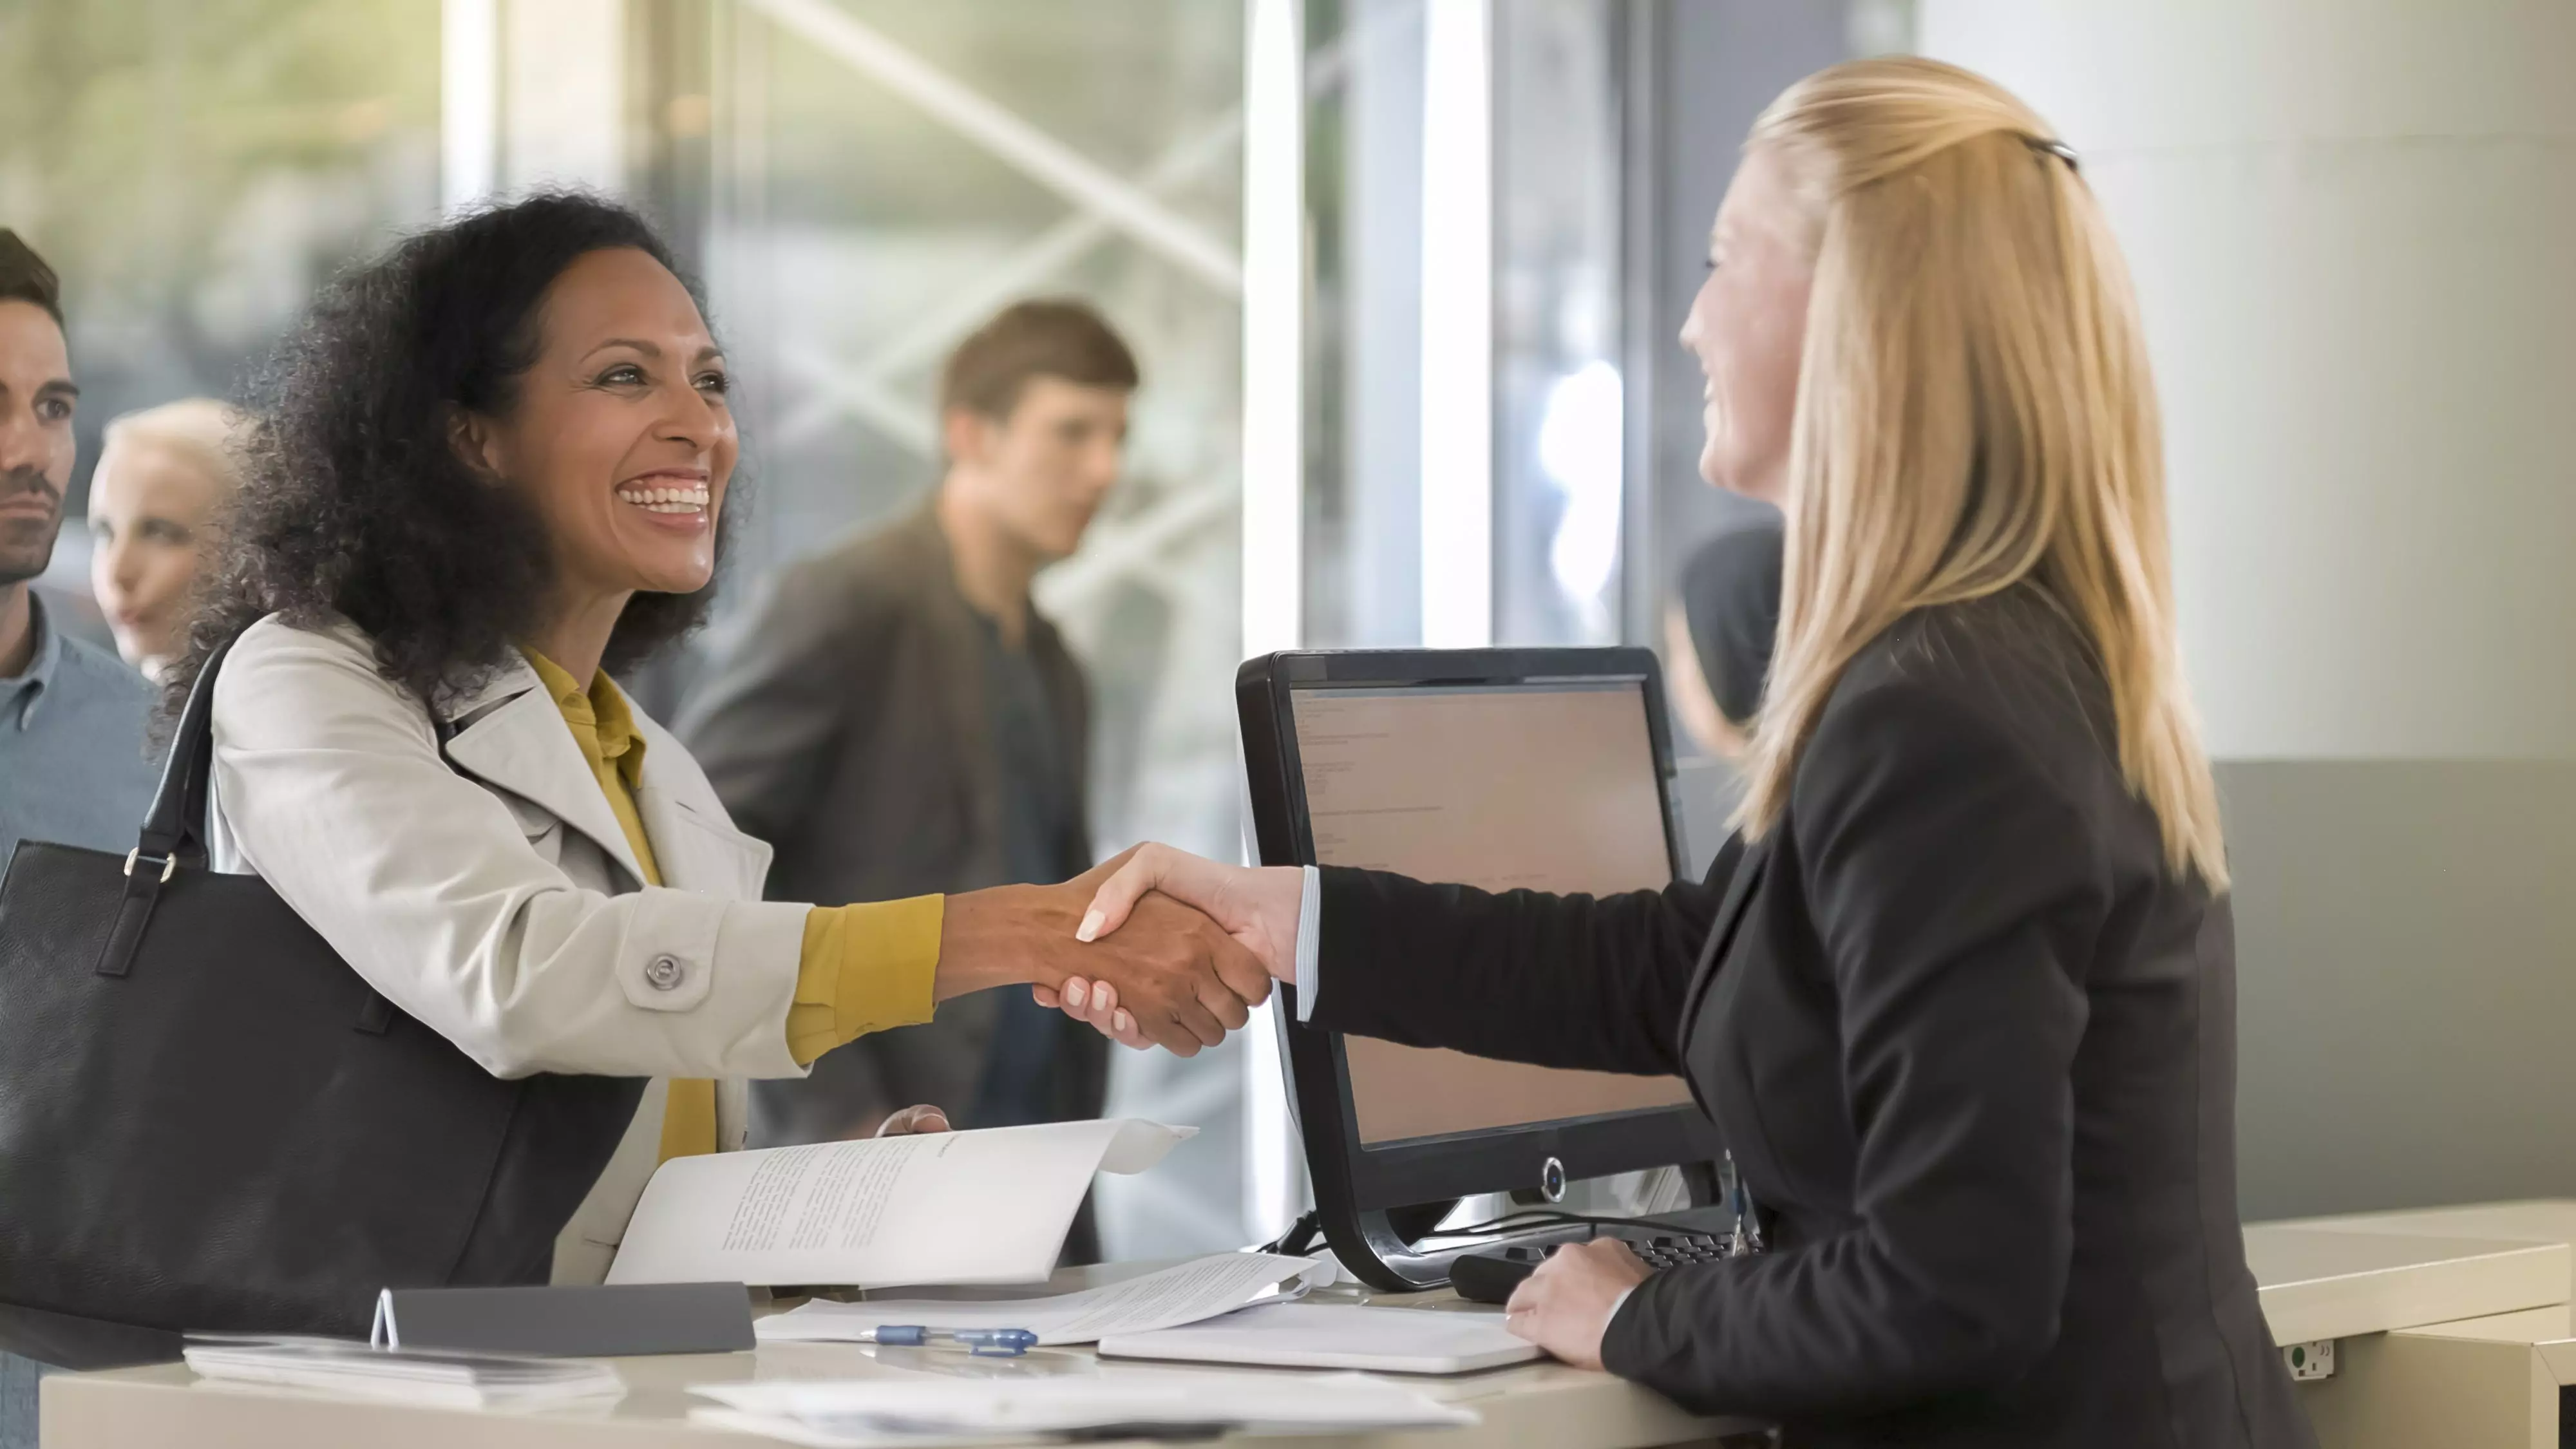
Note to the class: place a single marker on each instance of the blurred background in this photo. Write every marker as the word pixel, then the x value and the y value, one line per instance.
pixel 1404 276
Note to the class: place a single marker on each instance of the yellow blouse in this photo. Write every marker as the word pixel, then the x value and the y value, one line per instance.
pixel 865 967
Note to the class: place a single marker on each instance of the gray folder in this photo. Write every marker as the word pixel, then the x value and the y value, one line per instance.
pixel 603 1321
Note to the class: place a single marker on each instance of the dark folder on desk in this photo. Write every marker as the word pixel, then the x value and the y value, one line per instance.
pixel 600 1321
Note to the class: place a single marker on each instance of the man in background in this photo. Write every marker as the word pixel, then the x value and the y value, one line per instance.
pixel 896 718
pixel 72 718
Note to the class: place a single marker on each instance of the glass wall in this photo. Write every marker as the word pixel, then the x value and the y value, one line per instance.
pixel 194 170
pixel 860 181
pixel 885 175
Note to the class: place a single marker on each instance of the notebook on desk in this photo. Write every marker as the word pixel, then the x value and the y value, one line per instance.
pixel 1336 1336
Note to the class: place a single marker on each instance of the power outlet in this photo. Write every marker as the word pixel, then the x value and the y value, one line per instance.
pixel 2310 1360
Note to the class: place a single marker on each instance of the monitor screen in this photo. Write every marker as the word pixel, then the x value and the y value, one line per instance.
pixel 1548 786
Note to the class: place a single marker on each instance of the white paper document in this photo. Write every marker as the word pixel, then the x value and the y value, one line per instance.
pixel 899 1411
pixel 1220 1283
pixel 942 1207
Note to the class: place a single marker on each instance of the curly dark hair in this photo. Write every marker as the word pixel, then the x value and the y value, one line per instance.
pixel 354 503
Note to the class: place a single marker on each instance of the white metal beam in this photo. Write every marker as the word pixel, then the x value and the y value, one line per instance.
pixel 1274 471
pixel 1009 276
pixel 1274 364
pixel 872 401
pixel 469 101
pixel 1129 549
pixel 1041 157
pixel 1045 254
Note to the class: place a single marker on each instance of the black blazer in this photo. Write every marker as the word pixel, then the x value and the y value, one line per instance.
pixel 1972 1046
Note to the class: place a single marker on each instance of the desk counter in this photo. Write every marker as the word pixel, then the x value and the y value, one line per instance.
pixel 2322 1281
pixel 2455 1319
pixel 2492 1379
pixel 1534 1406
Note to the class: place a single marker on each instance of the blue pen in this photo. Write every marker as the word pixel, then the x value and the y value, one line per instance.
pixel 981 1342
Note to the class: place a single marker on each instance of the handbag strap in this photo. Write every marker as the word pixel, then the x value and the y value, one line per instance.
pixel 174 828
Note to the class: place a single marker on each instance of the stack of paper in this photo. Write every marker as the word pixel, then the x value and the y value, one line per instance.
pixel 837 1414
pixel 1220 1283
pixel 434 1377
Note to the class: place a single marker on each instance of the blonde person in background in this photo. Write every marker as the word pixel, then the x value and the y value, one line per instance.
pixel 163 476
pixel 1960 993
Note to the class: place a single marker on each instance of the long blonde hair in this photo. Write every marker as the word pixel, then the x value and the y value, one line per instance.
pixel 1974 409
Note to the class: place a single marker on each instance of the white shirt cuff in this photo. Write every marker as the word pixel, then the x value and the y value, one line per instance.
pixel 1310 916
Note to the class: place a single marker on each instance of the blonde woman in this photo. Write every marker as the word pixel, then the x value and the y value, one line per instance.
pixel 152 501
pixel 1960 994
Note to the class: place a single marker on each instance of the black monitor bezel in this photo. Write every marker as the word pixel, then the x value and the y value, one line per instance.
pixel 1351 1178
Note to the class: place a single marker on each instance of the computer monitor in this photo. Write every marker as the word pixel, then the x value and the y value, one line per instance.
pixel 1548 769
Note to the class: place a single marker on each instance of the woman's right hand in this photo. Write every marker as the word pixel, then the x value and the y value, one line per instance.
pixel 913 1122
pixel 1257 906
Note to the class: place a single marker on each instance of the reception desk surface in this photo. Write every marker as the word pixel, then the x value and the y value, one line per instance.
pixel 2328 1282
pixel 1534 1406
pixel 2452 1327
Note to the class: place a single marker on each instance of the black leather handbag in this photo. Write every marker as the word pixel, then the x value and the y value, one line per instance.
pixel 208 1121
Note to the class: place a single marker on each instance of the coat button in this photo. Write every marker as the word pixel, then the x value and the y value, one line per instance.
pixel 662 973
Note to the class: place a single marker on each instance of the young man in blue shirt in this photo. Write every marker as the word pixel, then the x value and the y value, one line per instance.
pixel 73 767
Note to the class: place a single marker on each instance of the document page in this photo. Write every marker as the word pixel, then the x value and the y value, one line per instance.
pixel 943 1207
pixel 1189 1293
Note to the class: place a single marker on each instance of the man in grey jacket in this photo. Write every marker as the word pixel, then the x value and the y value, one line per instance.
pixel 897 718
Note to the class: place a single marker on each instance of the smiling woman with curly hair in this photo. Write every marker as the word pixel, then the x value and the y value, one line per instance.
pixel 361 509
pixel 493 469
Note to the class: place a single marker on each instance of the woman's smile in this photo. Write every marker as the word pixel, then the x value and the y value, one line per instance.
pixel 681 498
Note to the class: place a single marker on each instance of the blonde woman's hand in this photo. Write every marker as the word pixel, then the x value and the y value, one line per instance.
pixel 1183 980
pixel 1564 1306
pixel 1256 906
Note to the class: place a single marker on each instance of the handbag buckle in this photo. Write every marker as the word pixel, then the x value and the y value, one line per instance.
pixel 169 864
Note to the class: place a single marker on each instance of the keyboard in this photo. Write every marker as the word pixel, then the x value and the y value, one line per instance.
pixel 1489 1275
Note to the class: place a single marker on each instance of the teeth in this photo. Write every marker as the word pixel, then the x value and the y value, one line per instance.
pixel 668 500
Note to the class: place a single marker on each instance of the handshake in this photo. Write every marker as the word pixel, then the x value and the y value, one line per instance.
pixel 1156 947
